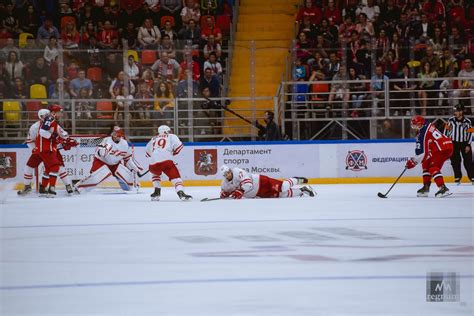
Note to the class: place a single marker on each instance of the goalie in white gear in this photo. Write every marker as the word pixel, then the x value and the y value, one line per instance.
pixel 239 184
pixel 160 152
pixel 113 156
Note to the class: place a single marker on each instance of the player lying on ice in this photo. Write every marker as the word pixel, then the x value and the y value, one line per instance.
pixel 113 156
pixel 239 184
pixel 432 150
pixel 160 151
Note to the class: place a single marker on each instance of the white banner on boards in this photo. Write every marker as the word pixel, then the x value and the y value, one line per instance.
pixel 202 162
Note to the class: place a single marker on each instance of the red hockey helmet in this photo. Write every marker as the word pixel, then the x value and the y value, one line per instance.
pixel 55 108
pixel 417 122
pixel 117 132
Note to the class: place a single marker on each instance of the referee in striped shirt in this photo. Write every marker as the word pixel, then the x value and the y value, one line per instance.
pixel 459 129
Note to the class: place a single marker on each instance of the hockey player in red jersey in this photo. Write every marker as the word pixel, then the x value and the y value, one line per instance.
pixel 45 146
pixel 34 161
pixel 239 184
pixel 160 152
pixel 432 150
pixel 113 156
pixel 64 143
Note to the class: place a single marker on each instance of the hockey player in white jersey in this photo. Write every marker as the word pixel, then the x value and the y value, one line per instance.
pixel 34 161
pixel 113 156
pixel 239 184
pixel 160 152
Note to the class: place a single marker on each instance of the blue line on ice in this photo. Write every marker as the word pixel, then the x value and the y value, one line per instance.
pixel 225 280
pixel 239 221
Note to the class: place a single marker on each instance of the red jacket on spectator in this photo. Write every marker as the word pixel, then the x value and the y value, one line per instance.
pixel 206 31
pixel 333 16
pixel 78 4
pixel 457 13
pixel 106 37
pixel 436 11
pixel 71 72
pixel 76 37
pixel 196 71
pixel 4 35
pixel 314 13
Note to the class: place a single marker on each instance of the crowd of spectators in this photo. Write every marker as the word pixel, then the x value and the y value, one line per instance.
pixel 75 49
pixel 380 39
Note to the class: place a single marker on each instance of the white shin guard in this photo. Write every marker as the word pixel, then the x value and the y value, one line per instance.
pixel 293 192
pixel 156 181
pixel 288 184
pixel 28 175
pixel 178 184
pixel 64 176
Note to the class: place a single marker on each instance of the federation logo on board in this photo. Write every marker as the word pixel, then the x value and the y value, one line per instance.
pixel 205 162
pixel 7 165
pixel 356 160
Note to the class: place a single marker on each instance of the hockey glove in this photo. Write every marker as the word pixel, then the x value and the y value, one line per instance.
pixel 411 163
pixel 69 143
pixel 237 194
pixel 224 194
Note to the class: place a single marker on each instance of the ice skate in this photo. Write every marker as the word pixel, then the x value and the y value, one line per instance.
pixel 301 180
pixel 423 192
pixel 25 191
pixel 69 189
pixel 443 192
pixel 42 191
pixel 307 190
pixel 184 197
pixel 155 196
pixel 52 192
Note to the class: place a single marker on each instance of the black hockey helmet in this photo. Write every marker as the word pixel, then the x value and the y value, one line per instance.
pixel 459 107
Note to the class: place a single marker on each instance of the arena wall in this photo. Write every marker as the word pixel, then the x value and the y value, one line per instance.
pixel 378 161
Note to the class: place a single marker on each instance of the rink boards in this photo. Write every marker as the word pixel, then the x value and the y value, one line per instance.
pixel 199 163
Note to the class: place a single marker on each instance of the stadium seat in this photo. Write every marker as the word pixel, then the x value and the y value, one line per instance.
pixel 104 110
pixel 67 19
pixel 203 21
pixel 223 22
pixel 166 18
pixel 148 57
pixel 133 53
pixel 22 39
pixel 32 109
pixel 322 88
pixel 94 74
pixel 38 91
pixel 11 113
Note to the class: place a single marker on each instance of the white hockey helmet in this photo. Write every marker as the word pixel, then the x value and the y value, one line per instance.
pixel 164 129
pixel 43 113
pixel 224 169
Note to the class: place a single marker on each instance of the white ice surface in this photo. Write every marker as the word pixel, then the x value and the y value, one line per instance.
pixel 345 252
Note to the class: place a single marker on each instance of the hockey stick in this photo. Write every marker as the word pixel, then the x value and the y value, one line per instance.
pixel 233 112
pixel 142 174
pixel 210 199
pixel 384 196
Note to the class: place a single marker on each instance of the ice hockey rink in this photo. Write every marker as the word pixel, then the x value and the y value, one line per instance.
pixel 345 252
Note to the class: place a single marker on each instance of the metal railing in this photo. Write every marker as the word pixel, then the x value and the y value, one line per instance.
pixel 336 109
pixel 193 119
